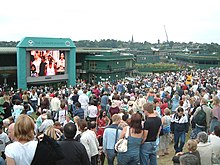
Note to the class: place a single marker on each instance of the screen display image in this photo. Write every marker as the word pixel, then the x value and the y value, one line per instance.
pixel 47 63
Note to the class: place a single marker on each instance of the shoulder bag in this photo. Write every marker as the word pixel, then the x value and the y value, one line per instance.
pixel 122 144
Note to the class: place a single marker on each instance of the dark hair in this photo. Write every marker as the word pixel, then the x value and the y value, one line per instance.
pixel 125 117
pixel 165 100
pixel 82 124
pixel 181 102
pixel 17 102
pixel 92 102
pixel 92 125
pixel 56 94
pixel 180 109
pixel 70 130
pixel 75 91
pixel 217 131
pixel 101 114
pixel 77 104
pixel 62 104
pixel 26 107
pixel 34 67
pixel 136 122
pixel 156 101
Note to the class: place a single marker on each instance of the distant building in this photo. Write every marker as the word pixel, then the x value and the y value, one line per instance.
pixel 99 64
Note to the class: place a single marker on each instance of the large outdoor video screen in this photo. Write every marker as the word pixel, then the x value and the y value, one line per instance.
pixel 47 63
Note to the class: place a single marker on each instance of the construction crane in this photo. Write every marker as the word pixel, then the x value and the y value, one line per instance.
pixel 166 33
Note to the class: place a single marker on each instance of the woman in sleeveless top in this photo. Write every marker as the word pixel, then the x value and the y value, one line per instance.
pixel 135 138
pixel 102 122
pixel 165 138
pixel 51 69
pixel 16 152
pixel 150 96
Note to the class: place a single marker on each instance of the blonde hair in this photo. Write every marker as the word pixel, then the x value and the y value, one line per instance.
pixel 6 98
pixel 76 119
pixel 50 131
pixel 151 90
pixel 167 111
pixel 116 118
pixel 216 100
pixel 191 145
pixel 204 101
pixel 24 128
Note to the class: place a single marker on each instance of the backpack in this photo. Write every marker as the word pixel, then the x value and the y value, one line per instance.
pixel 200 118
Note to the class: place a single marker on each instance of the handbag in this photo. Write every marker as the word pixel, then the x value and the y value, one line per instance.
pixel 122 144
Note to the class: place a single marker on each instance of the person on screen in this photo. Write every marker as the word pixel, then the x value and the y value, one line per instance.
pixel 50 58
pixel 42 66
pixel 37 61
pixel 33 71
pixel 50 68
pixel 61 64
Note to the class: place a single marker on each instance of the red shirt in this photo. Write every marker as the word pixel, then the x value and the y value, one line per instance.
pixel 163 106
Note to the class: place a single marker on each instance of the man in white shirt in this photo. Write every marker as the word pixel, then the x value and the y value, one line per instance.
pixel 61 114
pixel 215 142
pixel 55 104
pixel 90 142
pixel 195 86
pixel 84 101
pixel 168 88
pixel 92 111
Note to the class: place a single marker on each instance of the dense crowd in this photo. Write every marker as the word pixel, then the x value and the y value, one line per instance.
pixel 82 124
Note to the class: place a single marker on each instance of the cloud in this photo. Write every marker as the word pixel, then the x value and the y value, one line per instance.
pixel 100 19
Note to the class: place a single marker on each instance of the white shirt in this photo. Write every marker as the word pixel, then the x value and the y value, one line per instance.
pixel 61 65
pixel 92 111
pixel 61 115
pixel 3 139
pixel 33 97
pixel 195 87
pixel 206 96
pixel 186 104
pixel 46 123
pixel 55 104
pixel 215 143
pixel 90 142
pixel 205 151
pixel 23 154
pixel 218 93
pixel 65 122
pixel 83 100
pixel 168 89
pixel 37 64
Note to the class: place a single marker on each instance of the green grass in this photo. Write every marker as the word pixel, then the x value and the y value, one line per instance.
pixel 167 159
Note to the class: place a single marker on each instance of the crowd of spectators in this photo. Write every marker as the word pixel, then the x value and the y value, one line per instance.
pixel 81 124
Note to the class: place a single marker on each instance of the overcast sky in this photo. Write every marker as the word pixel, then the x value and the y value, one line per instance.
pixel 185 20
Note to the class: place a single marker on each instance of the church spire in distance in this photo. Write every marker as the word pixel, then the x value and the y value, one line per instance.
pixel 132 39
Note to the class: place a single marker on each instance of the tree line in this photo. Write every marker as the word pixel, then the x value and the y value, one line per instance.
pixel 111 43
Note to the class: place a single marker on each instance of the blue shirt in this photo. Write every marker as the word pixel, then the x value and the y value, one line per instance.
pixel 79 112
pixel 109 136
pixel 104 100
